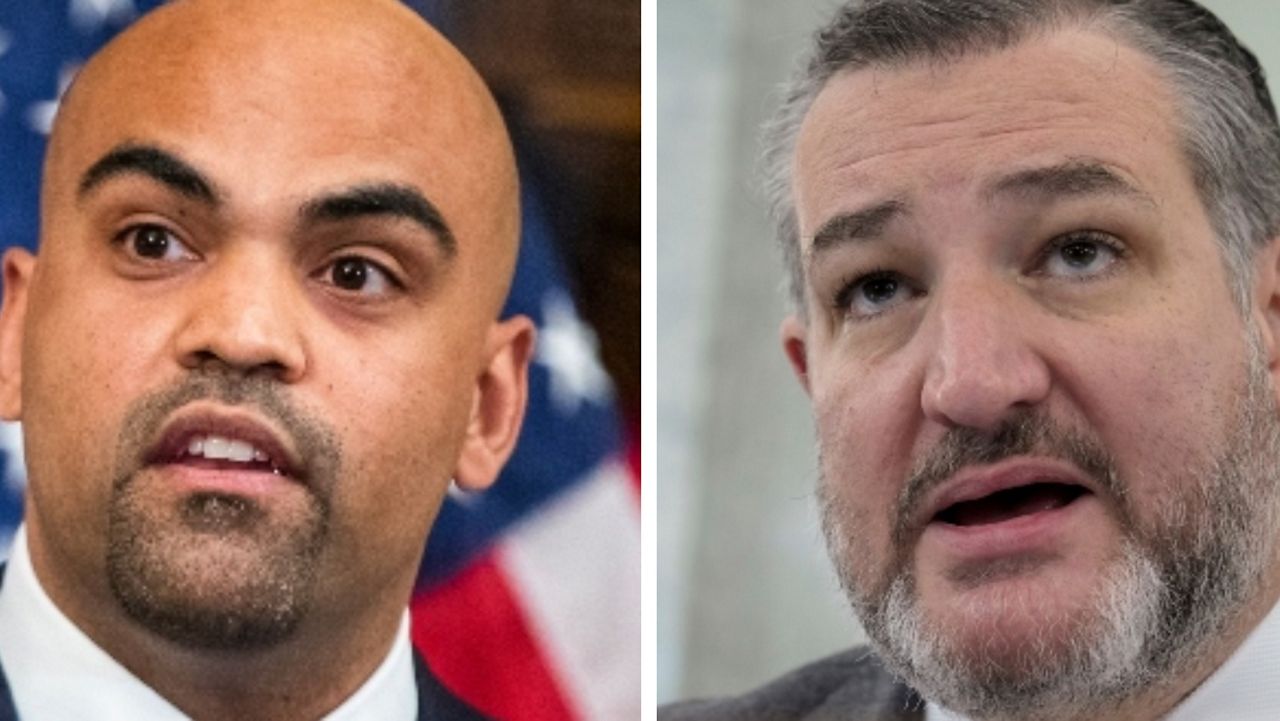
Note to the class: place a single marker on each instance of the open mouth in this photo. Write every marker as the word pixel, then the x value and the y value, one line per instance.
pixel 210 442
pixel 1010 503
pixel 219 453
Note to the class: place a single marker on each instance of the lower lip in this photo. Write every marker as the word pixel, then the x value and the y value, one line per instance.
pixel 1038 531
pixel 230 481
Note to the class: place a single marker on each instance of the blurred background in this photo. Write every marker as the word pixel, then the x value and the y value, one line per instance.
pixel 568 74
pixel 745 591
pixel 528 603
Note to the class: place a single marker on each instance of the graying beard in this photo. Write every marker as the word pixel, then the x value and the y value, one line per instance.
pixel 1161 604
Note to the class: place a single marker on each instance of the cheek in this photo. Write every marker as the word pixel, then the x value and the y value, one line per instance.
pixel 864 440
pixel 402 425
pixel 93 346
pixel 81 370
pixel 1162 402
pixel 76 361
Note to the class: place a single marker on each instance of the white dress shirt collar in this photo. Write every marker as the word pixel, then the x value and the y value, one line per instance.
pixel 56 673
pixel 1245 688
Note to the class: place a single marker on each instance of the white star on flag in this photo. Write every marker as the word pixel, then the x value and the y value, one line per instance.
pixel 40 115
pixel 15 467
pixel 568 349
pixel 90 15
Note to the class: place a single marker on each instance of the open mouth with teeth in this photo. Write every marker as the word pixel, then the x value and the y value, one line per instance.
pixel 1011 503
pixel 217 452
pixel 216 443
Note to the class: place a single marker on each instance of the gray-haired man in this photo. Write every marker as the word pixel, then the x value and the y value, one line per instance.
pixel 1034 251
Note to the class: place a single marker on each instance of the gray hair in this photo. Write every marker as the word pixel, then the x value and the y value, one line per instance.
pixel 1226 116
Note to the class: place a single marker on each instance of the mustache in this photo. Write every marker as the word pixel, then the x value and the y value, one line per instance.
pixel 1029 432
pixel 316 442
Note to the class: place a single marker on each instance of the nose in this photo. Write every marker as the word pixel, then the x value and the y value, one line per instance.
pixel 244 313
pixel 983 364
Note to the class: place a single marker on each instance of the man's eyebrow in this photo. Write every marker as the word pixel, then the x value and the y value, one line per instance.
pixel 389 199
pixel 860 225
pixel 1068 179
pixel 160 165
pixel 1078 177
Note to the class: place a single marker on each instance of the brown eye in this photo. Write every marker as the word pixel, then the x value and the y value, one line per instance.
pixel 355 274
pixel 350 273
pixel 151 242
pixel 155 242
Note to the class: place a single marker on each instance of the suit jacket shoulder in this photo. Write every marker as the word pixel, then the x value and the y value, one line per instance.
pixel 435 701
pixel 849 686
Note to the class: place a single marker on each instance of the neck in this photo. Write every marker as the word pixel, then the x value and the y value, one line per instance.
pixel 303 678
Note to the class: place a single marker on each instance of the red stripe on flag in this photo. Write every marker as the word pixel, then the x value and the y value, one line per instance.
pixel 476 640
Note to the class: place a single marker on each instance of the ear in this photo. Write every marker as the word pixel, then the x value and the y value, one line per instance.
pixel 502 391
pixel 19 265
pixel 793 344
pixel 1266 302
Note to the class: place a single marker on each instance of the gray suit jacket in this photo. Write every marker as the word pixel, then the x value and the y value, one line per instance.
pixel 849 686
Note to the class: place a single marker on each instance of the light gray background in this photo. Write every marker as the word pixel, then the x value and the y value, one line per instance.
pixel 744 588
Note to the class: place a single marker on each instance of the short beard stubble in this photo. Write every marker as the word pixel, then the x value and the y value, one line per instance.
pixel 218 572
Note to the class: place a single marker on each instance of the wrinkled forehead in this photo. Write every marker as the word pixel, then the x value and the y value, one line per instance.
pixel 890 131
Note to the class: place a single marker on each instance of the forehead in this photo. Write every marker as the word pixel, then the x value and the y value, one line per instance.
pixel 270 113
pixel 930 128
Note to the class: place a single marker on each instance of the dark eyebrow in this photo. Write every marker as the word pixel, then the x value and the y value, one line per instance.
pixel 159 165
pixel 1077 177
pixel 1069 179
pixel 402 201
pixel 860 225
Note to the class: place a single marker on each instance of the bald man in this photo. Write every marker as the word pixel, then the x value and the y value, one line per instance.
pixel 259 340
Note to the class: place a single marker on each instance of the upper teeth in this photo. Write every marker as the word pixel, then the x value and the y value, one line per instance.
pixel 225 449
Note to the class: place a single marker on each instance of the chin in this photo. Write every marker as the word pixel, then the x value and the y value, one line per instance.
pixel 212 571
pixel 1014 613
pixel 1013 632
pixel 1029 641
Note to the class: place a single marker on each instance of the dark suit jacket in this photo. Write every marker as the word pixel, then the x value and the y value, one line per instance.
pixel 849 686
pixel 435 702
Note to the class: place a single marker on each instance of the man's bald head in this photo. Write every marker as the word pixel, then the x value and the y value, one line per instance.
pixel 367 71
pixel 279 219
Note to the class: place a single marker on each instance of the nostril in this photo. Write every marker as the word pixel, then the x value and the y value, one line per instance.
pixel 209 361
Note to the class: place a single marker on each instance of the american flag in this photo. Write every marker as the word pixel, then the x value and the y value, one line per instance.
pixel 528 600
